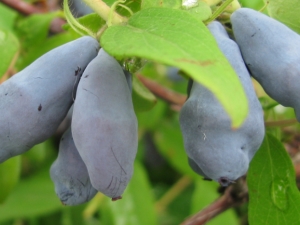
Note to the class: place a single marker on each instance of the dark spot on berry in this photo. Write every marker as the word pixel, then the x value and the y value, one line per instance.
pixel 40 107
pixel 116 198
pixel 77 71
pixel 86 76
pixel 224 181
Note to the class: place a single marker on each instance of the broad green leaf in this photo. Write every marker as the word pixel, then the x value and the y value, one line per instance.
pixel 204 194
pixel 34 29
pixel 7 18
pixel 32 197
pixel 9 176
pixel 202 11
pixel 286 12
pixel 176 38
pixel 174 4
pixel 274 196
pixel 212 2
pixel 137 205
pixel 254 4
pixel 143 99
pixel 169 141
pixel 9 46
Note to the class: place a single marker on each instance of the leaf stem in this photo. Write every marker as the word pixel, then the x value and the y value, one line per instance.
pixel 264 7
pixel 101 31
pixel 74 23
pixel 218 11
pixel 127 8
pixel 104 11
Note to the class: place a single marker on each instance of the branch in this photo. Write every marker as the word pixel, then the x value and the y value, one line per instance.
pixel 281 123
pixel 234 195
pixel 164 93
pixel 22 7
pixel 28 9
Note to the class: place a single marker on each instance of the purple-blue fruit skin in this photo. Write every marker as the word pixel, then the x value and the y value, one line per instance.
pixel 70 175
pixel 218 152
pixel 104 125
pixel 36 100
pixel 271 51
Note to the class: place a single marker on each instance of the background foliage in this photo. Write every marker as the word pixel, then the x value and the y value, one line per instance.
pixel 164 189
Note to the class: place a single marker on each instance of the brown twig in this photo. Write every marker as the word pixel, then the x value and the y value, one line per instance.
pixel 281 123
pixel 162 92
pixel 217 207
pixel 53 5
pixel 28 9
pixel 234 195
pixel 56 25
pixel 22 7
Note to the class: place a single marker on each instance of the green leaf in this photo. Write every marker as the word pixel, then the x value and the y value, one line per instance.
pixel 174 4
pixel 176 38
pixel 9 46
pixel 7 18
pixel 143 99
pixel 274 196
pixel 32 197
pixel 286 12
pixel 202 11
pixel 204 194
pixel 34 29
pixel 169 141
pixel 9 176
pixel 39 49
pixel 137 205
pixel 150 120
pixel 215 2
pixel 73 215
pixel 254 4
pixel 35 158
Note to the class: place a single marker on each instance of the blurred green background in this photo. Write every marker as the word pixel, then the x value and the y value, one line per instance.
pixel 164 190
